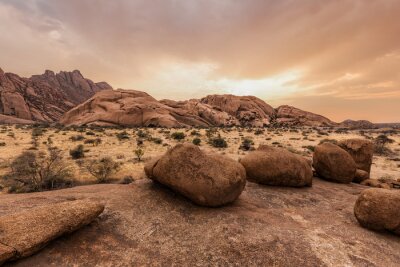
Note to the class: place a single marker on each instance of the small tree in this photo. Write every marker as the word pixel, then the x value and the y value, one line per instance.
pixel 40 171
pixel 103 168
pixel 139 152
pixel 219 142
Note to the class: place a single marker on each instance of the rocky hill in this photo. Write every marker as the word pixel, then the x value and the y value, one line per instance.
pixel 360 124
pixel 135 108
pixel 43 98
pixel 294 116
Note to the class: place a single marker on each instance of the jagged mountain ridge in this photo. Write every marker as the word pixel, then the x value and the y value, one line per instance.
pixel 43 98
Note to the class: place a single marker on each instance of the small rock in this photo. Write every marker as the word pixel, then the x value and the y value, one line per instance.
pixel 379 209
pixel 29 231
pixel 360 176
pixel 277 166
pixel 207 179
pixel 333 163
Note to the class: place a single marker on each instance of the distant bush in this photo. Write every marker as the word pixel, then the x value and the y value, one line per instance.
pixel 102 169
pixel 157 140
pixel 141 134
pixel 195 133
pixel 259 131
pixel 90 133
pixel 196 141
pixel 380 145
pixel 178 135
pixel 246 144
pixel 76 138
pixel 38 171
pixel 94 142
pixel 218 142
pixel 2 143
pixel 123 136
pixel 77 152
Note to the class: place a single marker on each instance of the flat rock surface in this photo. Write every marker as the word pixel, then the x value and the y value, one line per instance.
pixel 146 224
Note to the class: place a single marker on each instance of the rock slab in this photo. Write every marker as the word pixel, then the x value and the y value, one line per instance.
pixel 207 179
pixel 361 151
pixel 24 233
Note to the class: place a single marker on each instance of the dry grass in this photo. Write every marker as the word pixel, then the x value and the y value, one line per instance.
pixel 18 139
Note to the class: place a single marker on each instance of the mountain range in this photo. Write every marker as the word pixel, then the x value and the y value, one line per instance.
pixel 71 99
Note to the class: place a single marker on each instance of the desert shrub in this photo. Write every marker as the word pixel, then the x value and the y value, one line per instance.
pixel 196 141
pixel 102 169
pixel 246 144
pixel 37 131
pixel 211 132
pixel 139 142
pixel 94 142
pixel 157 140
pixel 380 145
pixel 276 143
pixel 218 142
pixel 141 134
pixel 38 171
pixel 178 135
pixel 2 143
pixel 76 138
pixel 123 136
pixel 90 133
pixel 11 134
pixel 258 131
pixel 139 152
pixel 77 152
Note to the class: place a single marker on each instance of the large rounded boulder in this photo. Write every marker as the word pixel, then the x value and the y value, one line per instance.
pixel 207 179
pixel 277 166
pixel 361 150
pixel 333 163
pixel 379 209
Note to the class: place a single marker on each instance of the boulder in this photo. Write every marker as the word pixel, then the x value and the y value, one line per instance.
pixel 26 232
pixel 207 179
pixel 288 115
pixel 371 183
pixel 361 151
pixel 277 166
pixel 333 163
pixel 360 176
pixel 379 209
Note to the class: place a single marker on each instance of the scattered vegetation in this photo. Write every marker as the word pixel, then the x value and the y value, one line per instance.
pixel 178 135
pixel 196 141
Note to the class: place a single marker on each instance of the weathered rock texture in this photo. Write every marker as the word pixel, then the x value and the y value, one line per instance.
pixel 135 108
pixel 207 179
pixel 379 209
pixel 43 98
pixel 277 166
pixel 145 224
pixel 334 163
pixel 293 116
pixel 361 150
pixel 24 233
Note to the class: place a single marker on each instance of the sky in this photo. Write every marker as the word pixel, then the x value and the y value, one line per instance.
pixel 338 58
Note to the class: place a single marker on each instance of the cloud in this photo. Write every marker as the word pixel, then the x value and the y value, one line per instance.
pixel 339 50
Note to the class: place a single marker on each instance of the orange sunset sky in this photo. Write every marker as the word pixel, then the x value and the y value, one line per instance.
pixel 337 58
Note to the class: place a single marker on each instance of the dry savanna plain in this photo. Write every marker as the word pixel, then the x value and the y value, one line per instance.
pixel 131 148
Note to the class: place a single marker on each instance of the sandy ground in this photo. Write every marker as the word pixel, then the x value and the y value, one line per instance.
pixel 19 139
